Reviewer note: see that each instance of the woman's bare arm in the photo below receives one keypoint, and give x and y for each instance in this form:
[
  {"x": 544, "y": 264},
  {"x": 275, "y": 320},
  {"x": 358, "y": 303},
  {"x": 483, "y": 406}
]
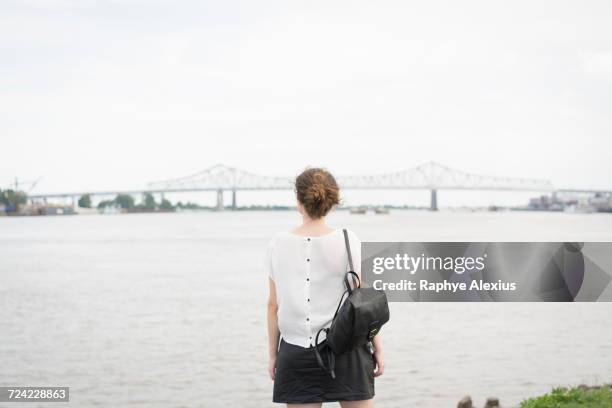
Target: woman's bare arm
[
  {"x": 379, "y": 357},
  {"x": 273, "y": 332}
]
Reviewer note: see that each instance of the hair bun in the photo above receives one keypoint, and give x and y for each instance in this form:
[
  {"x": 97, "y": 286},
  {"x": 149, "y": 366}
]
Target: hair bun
[{"x": 317, "y": 192}]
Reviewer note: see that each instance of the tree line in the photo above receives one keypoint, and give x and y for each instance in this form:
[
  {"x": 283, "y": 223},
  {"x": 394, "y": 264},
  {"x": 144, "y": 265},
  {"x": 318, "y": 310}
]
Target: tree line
[
  {"x": 127, "y": 202},
  {"x": 12, "y": 199},
  {"x": 148, "y": 203}
]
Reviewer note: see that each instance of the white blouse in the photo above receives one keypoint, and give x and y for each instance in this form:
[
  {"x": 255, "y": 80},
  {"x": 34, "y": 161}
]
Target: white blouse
[{"x": 309, "y": 276}]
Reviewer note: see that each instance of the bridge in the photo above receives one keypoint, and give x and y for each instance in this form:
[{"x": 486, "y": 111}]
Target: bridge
[{"x": 429, "y": 176}]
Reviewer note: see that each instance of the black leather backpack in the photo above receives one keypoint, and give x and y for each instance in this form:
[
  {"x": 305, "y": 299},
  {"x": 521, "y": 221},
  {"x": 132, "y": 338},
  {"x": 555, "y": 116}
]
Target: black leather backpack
[{"x": 356, "y": 321}]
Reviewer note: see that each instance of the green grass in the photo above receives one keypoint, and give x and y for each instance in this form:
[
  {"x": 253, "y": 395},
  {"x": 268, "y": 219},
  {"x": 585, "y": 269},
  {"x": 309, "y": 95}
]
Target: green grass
[{"x": 572, "y": 398}]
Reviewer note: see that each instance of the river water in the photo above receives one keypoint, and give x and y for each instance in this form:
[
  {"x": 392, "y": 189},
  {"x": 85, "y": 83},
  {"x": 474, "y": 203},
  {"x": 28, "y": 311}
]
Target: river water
[{"x": 168, "y": 310}]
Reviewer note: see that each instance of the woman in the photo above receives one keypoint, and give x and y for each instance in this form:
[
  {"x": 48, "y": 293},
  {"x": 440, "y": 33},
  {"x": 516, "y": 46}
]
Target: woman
[{"x": 306, "y": 268}]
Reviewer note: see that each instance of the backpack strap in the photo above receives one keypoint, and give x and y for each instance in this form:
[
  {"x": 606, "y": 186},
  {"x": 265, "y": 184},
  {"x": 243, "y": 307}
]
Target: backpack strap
[
  {"x": 348, "y": 249},
  {"x": 331, "y": 357},
  {"x": 351, "y": 271}
]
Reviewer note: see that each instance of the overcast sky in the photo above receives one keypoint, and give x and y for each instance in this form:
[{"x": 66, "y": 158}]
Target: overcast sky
[{"x": 114, "y": 94}]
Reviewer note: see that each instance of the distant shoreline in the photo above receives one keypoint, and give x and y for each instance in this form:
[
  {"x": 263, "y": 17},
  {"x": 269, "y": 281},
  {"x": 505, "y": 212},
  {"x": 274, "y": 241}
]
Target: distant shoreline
[{"x": 355, "y": 210}]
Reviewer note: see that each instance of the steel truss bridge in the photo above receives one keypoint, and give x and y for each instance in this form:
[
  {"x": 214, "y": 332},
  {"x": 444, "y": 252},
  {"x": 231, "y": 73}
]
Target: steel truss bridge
[{"x": 428, "y": 176}]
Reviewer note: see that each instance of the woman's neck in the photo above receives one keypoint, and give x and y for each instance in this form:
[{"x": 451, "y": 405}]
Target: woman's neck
[
  {"x": 312, "y": 222},
  {"x": 314, "y": 227}
]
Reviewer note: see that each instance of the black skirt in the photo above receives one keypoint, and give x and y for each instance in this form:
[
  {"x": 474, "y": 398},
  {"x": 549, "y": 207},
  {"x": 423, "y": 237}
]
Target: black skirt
[{"x": 299, "y": 378}]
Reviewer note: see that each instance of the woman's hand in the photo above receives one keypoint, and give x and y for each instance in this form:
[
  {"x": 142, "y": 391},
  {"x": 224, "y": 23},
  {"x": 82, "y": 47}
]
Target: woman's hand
[
  {"x": 272, "y": 367},
  {"x": 379, "y": 362}
]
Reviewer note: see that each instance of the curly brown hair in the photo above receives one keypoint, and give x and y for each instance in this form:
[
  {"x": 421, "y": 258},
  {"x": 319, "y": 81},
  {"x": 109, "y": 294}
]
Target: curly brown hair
[{"x": 317, "y": 191}]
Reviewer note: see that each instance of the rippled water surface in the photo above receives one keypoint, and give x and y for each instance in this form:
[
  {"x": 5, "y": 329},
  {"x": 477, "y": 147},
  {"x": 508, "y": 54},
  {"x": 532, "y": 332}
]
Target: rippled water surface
[{"x": 168, "y": 310}]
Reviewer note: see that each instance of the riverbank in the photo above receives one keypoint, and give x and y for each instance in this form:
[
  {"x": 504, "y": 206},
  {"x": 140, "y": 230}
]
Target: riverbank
[{"x": 582, "y": 396}]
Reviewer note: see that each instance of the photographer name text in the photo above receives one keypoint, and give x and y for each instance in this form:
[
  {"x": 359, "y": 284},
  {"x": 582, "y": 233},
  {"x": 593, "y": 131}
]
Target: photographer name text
[{"x": 412, "y": 264}]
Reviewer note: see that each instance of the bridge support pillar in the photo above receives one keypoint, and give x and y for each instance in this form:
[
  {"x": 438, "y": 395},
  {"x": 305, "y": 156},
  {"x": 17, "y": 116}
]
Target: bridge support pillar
[
  {"x": 433, "y": 205},
  {"x": 233, "y": 199},
  {"x": 220, "y": 200}
]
